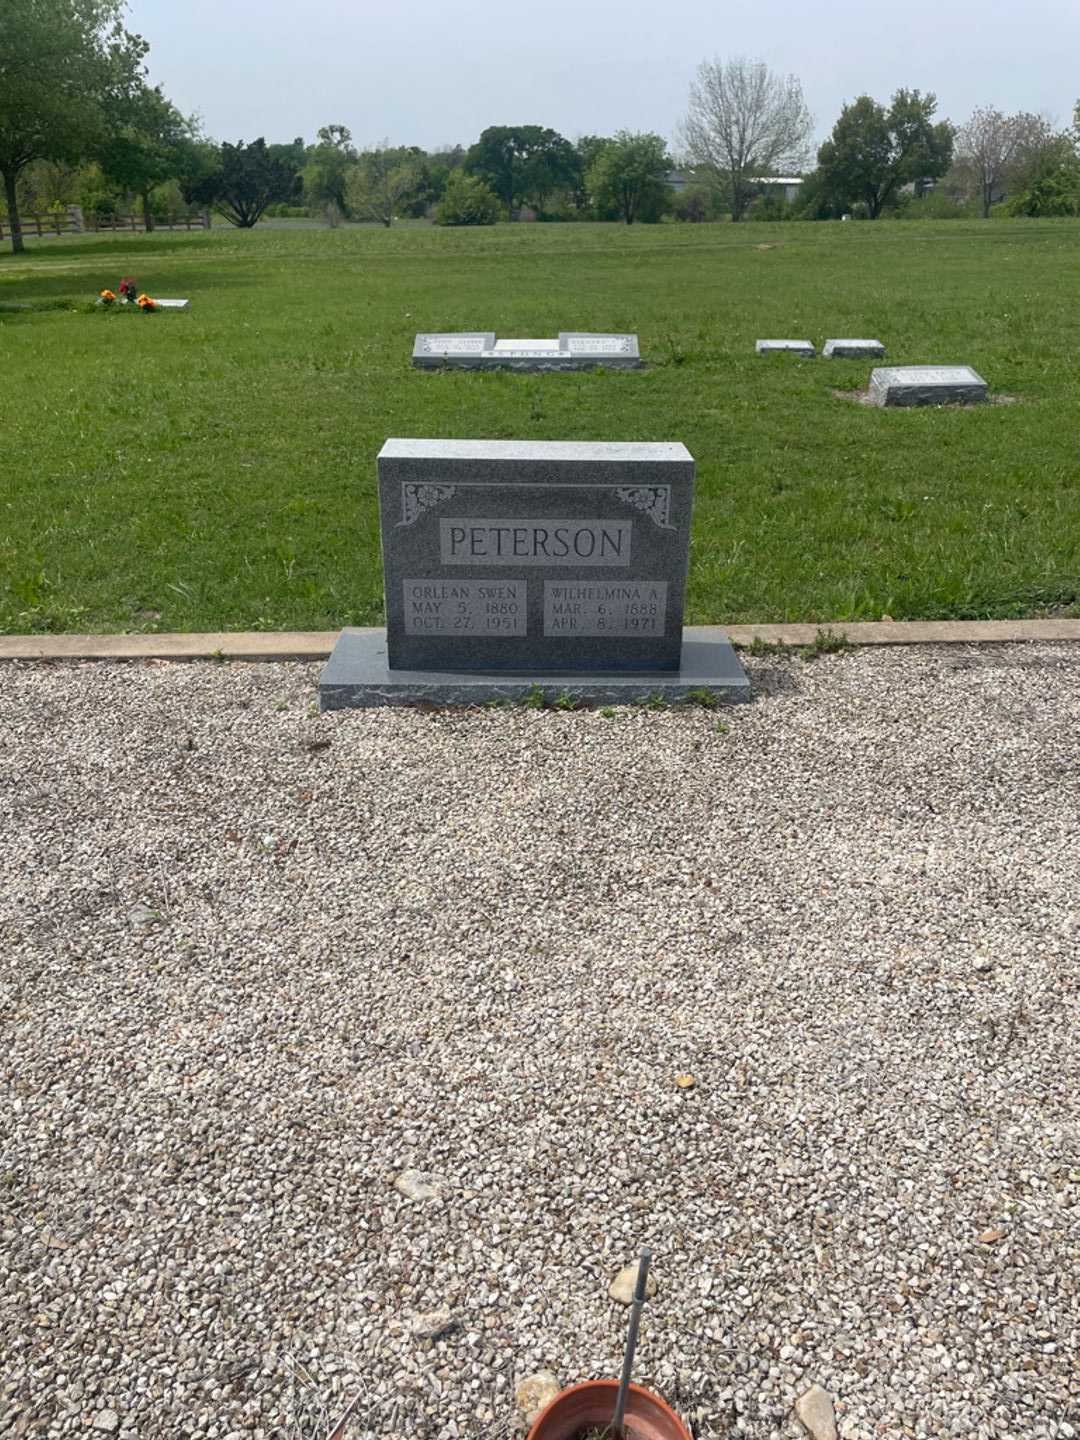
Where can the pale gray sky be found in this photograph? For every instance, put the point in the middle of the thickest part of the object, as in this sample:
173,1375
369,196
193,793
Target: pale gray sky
433,72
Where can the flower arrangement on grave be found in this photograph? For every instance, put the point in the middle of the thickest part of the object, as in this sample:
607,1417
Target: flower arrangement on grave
146,304
107,297
128,290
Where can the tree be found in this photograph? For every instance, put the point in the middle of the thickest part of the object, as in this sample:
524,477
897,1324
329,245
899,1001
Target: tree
60,62
328,163
144,146
1052,186
629,174
872,151
467,201
376,186
991,146
248,179
523,162
743,122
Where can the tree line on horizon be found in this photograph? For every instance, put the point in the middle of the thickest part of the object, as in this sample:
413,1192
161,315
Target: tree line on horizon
79,123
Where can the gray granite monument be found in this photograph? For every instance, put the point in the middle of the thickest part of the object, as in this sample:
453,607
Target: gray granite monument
853,350
927,385
786,347
482,350
511,565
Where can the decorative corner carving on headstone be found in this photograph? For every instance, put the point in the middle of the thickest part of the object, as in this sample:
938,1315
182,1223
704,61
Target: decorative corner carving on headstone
417,497
652,500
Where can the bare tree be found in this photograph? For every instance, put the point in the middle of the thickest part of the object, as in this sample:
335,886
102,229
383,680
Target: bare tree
743,122
991,145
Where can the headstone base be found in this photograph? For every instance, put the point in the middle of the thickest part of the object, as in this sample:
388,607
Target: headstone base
357,676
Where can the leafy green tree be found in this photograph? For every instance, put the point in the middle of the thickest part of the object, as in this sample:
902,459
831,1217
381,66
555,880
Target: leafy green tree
61,61
327,165
376,186
523,163
1053,185
144,145
247,179
872,151
467,201
629,174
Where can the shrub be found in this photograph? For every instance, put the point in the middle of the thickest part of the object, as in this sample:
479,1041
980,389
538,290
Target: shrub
467,201
934,206
698,203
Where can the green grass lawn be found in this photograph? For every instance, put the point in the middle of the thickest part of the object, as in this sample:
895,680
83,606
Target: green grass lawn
216,469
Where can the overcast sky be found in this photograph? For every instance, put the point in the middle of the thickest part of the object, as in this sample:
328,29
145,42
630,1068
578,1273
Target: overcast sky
435,72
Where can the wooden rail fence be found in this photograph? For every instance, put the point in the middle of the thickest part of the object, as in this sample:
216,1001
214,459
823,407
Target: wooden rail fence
72,222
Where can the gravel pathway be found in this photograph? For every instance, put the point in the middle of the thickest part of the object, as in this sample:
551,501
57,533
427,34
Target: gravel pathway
257,962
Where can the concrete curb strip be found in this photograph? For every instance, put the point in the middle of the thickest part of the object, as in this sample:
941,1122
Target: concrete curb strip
317,644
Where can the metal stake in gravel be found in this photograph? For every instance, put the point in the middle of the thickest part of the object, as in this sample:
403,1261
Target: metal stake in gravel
631,1342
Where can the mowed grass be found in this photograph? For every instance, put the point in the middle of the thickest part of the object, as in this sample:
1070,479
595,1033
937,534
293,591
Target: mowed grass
216,469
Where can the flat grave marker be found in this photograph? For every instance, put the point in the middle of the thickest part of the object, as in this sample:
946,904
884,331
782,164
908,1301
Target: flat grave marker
853,350
927,385
172,304
509,564
786,347
483,350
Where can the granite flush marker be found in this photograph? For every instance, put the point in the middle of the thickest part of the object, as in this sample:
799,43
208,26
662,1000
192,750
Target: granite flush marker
514,563
482,350
927,385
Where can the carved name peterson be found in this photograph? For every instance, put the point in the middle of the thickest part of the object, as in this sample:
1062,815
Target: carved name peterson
472,541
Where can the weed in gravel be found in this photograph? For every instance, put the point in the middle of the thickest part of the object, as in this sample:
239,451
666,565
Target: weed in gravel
759,647
566,701
827,642
607,711
702,696
533,699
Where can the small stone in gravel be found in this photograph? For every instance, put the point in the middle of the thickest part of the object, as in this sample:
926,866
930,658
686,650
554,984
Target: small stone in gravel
622,1287
991,1237
535,1392
432,1324
419,1185
815,1412
684,1082
107,1420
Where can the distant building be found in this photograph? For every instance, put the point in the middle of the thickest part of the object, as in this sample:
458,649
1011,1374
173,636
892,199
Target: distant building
678,180
787,186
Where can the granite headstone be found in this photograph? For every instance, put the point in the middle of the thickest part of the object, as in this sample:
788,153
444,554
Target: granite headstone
927,385
514,563
483,350
853,350
786,347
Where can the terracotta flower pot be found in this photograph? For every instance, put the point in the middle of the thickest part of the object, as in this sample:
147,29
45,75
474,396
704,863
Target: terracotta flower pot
591,1406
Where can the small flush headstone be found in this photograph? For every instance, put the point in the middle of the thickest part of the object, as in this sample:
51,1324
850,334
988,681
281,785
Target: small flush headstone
786,347
853,350
927,385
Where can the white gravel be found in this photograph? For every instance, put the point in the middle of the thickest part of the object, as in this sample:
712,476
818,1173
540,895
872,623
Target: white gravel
246,982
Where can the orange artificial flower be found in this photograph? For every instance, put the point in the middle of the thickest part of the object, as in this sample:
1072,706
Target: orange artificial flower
108,297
